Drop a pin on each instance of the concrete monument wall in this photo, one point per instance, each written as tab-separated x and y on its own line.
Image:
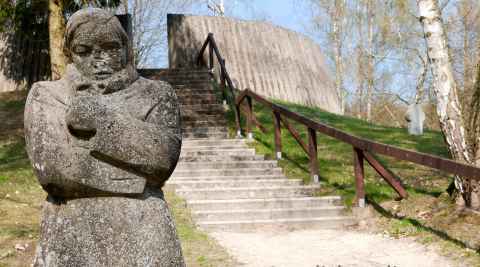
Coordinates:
270	60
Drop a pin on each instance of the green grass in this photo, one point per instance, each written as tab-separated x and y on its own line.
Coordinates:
444	226
335	157
21	197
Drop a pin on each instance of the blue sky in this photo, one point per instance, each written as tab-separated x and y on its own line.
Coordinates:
290	14
285	13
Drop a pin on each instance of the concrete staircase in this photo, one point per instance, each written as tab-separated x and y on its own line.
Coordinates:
225	183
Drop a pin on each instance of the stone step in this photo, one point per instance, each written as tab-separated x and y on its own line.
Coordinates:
187	147
201	184
211	129
227	172
267	214
220	152
246	177
334	222
193	92
206	100
269	203
196	117
214	106
199	83
200	113
227	164
247	192
210	158
204	142
204	123
161	72
186	78
214	135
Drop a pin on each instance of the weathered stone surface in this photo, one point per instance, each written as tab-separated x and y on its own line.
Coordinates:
109	231
271	60
103	141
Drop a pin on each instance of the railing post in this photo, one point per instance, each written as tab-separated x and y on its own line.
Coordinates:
210	54
359	177
237	120
313	156
278	134
249	117
223	82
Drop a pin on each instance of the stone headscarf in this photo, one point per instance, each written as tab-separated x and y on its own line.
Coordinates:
100	17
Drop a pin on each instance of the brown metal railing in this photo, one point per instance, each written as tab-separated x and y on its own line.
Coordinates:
363	149
224	76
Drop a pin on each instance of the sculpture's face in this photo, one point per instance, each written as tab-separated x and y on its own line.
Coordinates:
97	51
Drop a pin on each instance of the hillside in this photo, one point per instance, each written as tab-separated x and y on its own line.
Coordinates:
428	215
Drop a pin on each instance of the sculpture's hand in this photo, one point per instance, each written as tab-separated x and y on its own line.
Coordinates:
83	114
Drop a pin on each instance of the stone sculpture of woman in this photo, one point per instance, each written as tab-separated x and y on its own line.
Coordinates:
103	141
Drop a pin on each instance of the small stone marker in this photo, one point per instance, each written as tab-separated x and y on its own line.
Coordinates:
103	141
415	118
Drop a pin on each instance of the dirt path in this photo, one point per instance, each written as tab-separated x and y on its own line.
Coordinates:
327	248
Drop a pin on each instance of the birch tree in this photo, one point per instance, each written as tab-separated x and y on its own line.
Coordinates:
336	22
445	88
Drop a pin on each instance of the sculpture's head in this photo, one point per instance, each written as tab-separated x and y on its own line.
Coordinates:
97	44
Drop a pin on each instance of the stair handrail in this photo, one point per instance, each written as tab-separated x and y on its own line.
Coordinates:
363	149
224	76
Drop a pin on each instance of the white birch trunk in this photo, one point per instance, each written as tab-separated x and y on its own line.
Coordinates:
445	88
370	58
337	26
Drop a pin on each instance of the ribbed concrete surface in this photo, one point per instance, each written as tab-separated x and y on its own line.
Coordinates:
270	60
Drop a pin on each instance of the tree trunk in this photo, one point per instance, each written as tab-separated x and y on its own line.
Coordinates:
445	88
370	58
337	33
56	30
474	119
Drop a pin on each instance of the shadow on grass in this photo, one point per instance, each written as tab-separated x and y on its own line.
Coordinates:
13	153
420	225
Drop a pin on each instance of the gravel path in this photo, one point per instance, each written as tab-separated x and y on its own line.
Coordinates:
326	248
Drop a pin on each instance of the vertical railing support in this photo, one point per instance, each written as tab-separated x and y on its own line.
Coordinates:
223	83
313	156
210	60
278	135
359	177
249	117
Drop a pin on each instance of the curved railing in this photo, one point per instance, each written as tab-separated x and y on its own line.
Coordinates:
225	80
363	149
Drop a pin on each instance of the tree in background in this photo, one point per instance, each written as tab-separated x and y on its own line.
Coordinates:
334	24
23	16
149	26
448	105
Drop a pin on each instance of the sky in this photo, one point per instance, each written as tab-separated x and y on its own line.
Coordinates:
285	13
290	14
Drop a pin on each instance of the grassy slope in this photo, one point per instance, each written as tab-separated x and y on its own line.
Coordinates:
427	215
335	157
21	198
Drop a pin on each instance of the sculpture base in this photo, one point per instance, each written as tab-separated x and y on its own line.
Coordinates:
109	231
